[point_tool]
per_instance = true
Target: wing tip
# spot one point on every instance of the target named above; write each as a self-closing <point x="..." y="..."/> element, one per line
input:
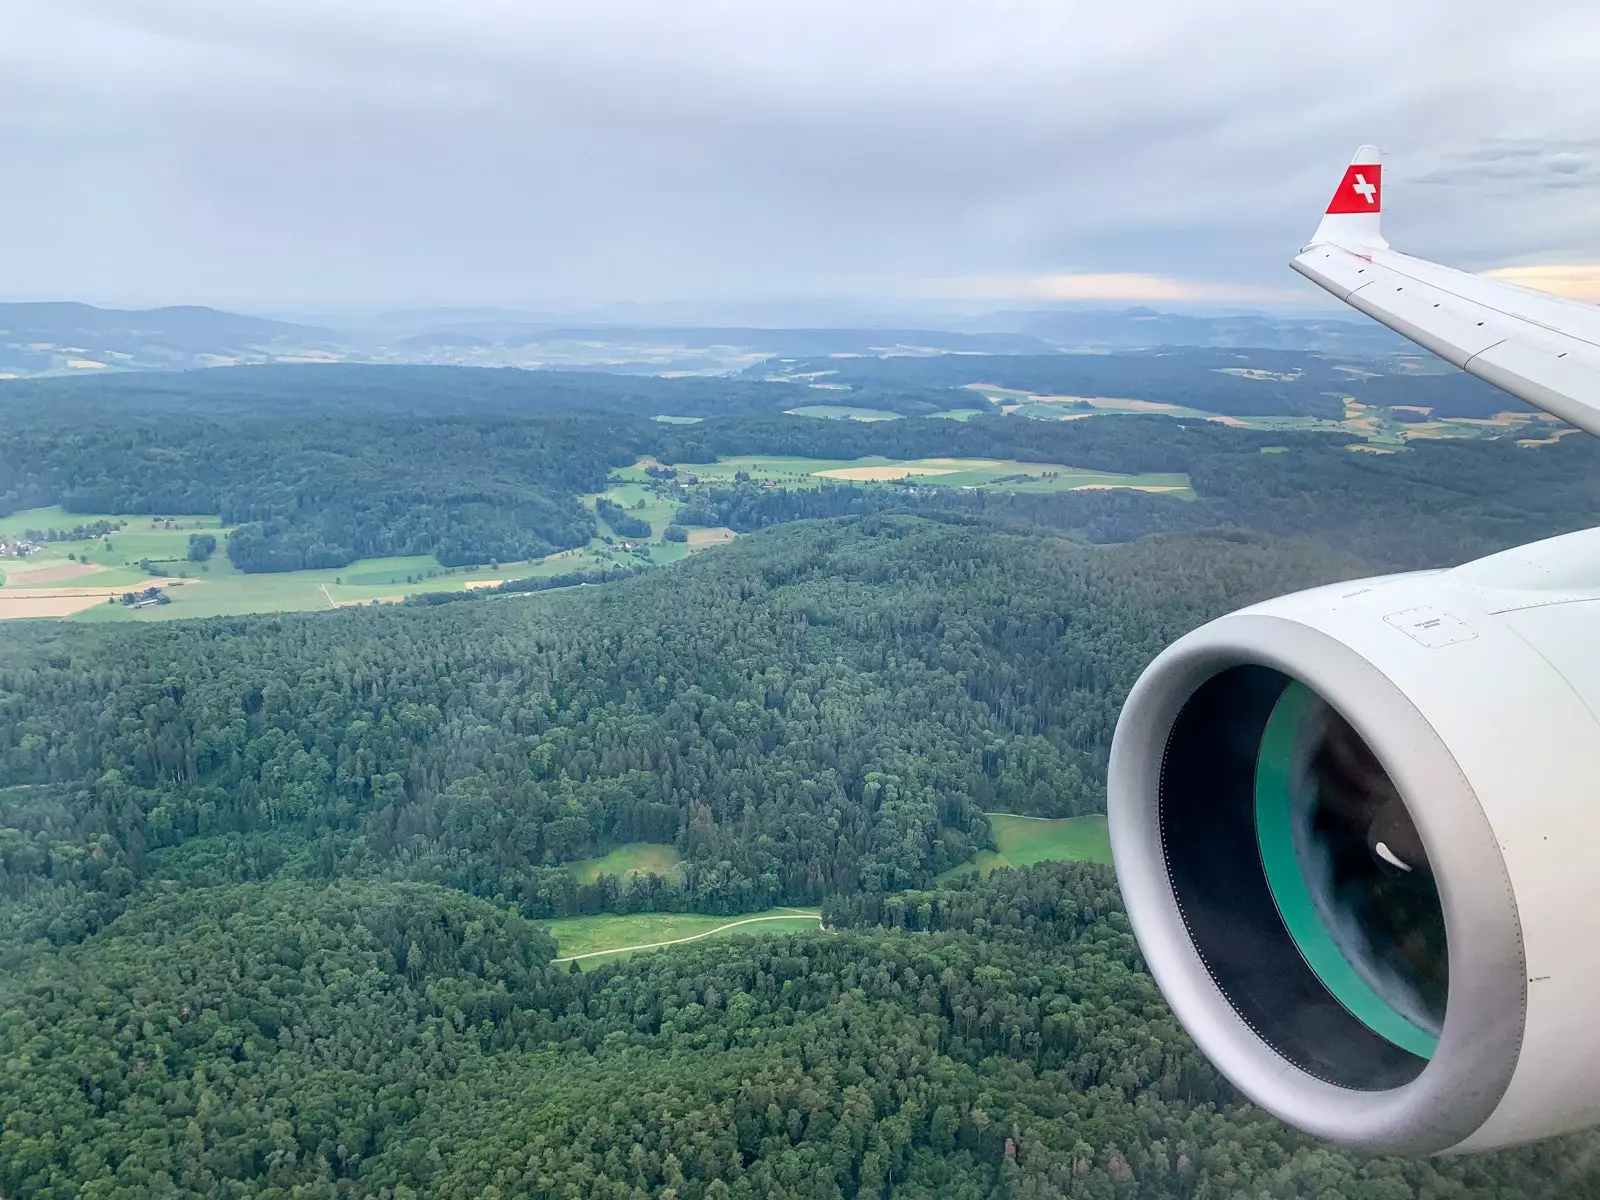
<point x="1353" y="217"/>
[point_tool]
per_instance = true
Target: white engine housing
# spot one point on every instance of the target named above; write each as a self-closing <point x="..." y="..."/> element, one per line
<point x="1477" y="690"/>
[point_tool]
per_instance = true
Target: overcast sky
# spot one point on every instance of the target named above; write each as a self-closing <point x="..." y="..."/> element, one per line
<point x="319" y="155"/>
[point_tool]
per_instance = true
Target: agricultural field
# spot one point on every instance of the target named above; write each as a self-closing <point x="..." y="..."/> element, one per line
<point x="843" y="412"/>
<point x="217" y="588"/>
<point x="634" y="858"/>
<point x="1383" y="428"/>
<point x="594" y="940"/>
<point x="1066" y="408"/>
<point x="989" y="473"/>
<point x="89" y="585"/>
<point x="1024" y="841"/>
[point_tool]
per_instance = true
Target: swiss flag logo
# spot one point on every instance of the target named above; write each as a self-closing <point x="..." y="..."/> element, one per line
<point x="1361" y="190"/>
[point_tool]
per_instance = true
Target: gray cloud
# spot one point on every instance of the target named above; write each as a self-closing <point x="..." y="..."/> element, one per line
<point x="278" y="154"/>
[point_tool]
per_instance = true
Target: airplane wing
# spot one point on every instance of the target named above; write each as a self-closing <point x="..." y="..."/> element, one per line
<point x="1541" y="348"/>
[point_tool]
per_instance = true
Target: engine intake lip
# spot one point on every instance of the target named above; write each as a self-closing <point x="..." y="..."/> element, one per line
<point x="1410" y="1108"/>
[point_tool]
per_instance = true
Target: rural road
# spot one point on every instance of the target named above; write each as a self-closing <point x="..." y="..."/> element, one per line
<point x="694" y="937"/>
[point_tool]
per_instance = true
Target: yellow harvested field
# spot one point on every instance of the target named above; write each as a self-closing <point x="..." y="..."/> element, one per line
<point x="21" y="606"/>
<point x="96" y="592"/>
<point x="1368" y="448"/>
<point x="1110" y="402"/>
<point x="17" y="604"/>
<point x="474" y="584"/>
<point x="972" y="464"/>
<point x="85" y="364"/>
<point x="1125" y="487"/>
<point x="711" y="537"/>
<point x="1554" y="436"/>
<point x="71" y="570"/>
<point x="884" y="474"/>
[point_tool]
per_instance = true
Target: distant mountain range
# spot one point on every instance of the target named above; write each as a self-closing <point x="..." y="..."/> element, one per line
<point x="68" y="338"/>
<point x="78" y="339"/>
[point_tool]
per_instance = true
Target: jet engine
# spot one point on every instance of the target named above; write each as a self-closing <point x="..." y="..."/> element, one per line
<point x="1357" y="831"/>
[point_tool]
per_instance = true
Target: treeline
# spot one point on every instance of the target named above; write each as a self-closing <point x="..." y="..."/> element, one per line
<point x="1238" y="383"/>
<point x="622" y="522"/>
<point x="322" y="494"/>
<point x="351" y="391"/>
<point x="1227" y="381"/>
<point x="538" y="583"/>
<point x="479" y="490"/>
<point x="828" y="707"/>
<point x="405" y="1041"/>
<point x="1437" y="504"/>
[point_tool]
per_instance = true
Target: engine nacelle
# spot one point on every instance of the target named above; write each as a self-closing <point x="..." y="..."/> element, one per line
<point x="1357" y="831"/>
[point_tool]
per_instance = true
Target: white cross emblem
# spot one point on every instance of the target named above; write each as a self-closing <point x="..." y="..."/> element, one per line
<point x="1366" y="190"/>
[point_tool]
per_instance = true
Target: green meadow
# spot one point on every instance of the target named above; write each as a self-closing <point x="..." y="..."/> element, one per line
<point x="598" y="939"/>
<point x="994" y="474"/>
<point x="217" y="588"/>
<point x="634" y="858"/>
<point x="1024" y="841"/>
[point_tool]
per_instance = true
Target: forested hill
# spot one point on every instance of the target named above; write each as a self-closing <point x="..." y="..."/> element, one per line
<point x="826" y="707"/>
<point x="401" y="1040"/>
<point x="324" y="493"/>
<point x="1230" y="382"/>
<point x="269" y="892"/>
<point x="304" y="391"/>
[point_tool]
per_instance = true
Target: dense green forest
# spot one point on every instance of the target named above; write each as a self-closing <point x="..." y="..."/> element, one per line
<point x="324" y="493"/>
<point x="1295" y="383"/>
<point x="403" y="1040"/>
<point x="826" y="708"/>
<point x="472" y="490"/>
<point x="1283" y="381"/>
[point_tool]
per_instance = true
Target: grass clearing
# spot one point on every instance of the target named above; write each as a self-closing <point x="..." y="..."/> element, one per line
<point x="1024" y="841"/>
<point x="634" y="858"/>
<point x="842" y="412"/>
<point x="598" y="939"/>
<point x="972" y="473"/>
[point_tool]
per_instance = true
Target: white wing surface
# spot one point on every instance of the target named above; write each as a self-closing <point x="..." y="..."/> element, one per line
<point x="1541" y="348"/>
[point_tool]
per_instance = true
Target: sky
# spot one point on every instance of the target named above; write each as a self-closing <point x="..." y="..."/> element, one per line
<point x="347" y="155"/>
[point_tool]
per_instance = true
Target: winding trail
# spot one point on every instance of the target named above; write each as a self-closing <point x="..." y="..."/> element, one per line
<point x="797" y="914"/>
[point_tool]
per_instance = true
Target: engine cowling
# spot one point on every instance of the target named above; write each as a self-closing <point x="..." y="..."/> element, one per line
<point x="1357" y="831"/>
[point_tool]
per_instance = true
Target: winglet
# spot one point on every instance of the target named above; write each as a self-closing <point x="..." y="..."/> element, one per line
<point x="1354" y="213"/>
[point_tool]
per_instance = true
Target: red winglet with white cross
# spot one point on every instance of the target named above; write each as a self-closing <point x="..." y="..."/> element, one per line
<point x="1360" y="191"/>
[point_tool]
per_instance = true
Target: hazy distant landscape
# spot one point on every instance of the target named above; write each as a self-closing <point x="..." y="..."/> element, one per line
<point x="75" y="339"/>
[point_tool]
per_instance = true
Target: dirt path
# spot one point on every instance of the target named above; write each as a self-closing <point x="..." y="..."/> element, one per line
<point x="694" y="937"/>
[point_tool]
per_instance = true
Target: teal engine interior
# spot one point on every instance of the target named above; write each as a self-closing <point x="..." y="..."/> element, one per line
<point x="1303" y="881"/>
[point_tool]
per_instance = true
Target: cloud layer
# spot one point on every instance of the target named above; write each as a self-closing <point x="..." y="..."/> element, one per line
<point x="298" y="153"/>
